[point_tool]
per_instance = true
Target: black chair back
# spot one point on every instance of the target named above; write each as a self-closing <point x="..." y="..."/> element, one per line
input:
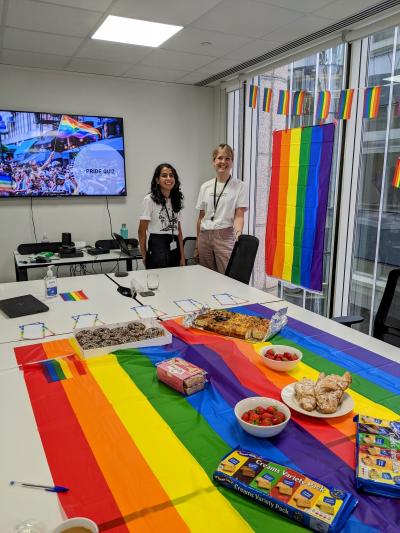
<point x="112" y="244"/>
<point x="38" y="247"/>
<point x="242" y="259"/>
<point x="387" y="319"/>
<point x="189" y="245"/>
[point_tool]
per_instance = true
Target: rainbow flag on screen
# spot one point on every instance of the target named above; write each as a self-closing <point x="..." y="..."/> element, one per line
<point x="253" y="93"/>
<point x="5" y="183"/>
<point x="345" y="103"/>
<point x="396" y="177"/>
<point x="323" y="105"/>
<point x="267" y="100"/>
<point x="69" y="127"/>
<point x="301" y="168"/>
<point x="74" y="296"/>
<point x="298" y="102"/>
<point x="372" y="97"/>
<point x="283" y="102"/>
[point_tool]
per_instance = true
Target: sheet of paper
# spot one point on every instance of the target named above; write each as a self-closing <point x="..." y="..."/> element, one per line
<point x="86" y="320"/>
<point x="188" y="306"/>
<point x="224" y="298"/>
<point x="33" y="331"/>
<point x="145" y="311"/>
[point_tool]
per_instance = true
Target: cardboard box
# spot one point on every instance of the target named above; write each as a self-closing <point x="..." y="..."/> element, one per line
<point x="181" y="375"/>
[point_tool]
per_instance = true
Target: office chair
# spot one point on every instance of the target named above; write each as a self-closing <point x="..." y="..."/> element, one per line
<point x="189" y="245"/>
<point x="242" y="259"/>
<point x="387" y="319"/>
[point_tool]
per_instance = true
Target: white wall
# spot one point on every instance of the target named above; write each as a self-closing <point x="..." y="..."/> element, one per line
<point x="163" y="122"/>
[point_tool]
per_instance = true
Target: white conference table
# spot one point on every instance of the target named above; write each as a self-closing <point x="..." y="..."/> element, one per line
<point x="21" y="453"/>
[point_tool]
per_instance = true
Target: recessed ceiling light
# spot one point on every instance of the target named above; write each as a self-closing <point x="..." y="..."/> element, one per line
<point x="132" y="31"/>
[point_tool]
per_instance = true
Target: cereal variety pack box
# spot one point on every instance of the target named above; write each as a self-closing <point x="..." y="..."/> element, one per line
<point x="378" y="456"/>
<point x="281" y="489"/>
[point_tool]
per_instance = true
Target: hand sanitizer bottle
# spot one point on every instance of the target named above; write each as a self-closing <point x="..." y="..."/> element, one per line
<point x="123" y="231"/>
<point x="50" y="283"/>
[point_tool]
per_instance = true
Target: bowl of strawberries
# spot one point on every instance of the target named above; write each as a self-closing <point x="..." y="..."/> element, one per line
<point x="261" y="416"/>
<point x="280" y="357"/>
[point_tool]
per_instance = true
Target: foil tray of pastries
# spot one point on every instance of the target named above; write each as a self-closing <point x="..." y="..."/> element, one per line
<point x="231" y="324"/>
<point x="100" y="340"/>
<point x="325" y="395"/>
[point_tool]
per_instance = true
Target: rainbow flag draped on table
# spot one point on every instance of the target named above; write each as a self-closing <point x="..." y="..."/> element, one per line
<point x="137" y="456"/>
<point x="294" y="240"/>
<point x="69" y="127"/>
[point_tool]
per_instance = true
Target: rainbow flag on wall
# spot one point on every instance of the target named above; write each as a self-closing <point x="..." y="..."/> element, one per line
<point x="267" y="100"/>
<point x="69" y="127"/>
<point x="283" y="102"/>
<point x="372" y="97"/>
<point x="298" y="102"/>
<point x="74" y="296"/>
<point x="294" y="240"/>
<point x="5" y="183"/>
<point x="138" y="457"/>
<point x="396" y="177"/>
<point x="253" y="93"/>
<point x="345" y="103"/>
<point x="323" y="105"/>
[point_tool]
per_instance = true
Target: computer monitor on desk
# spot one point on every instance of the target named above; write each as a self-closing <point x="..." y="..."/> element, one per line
<point x="123" y="246"/>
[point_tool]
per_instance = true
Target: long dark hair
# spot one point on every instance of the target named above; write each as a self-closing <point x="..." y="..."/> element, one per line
<point x="176" y="193"/>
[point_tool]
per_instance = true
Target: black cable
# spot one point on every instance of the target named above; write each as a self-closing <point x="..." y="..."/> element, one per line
<point x="33" y="220"/>
<point x="109" y="216"/>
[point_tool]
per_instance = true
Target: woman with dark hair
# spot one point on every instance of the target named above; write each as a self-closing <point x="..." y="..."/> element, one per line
<point x="161" y="220"/>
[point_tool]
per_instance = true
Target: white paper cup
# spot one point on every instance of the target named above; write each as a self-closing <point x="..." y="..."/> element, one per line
<point x="77" y="522"/>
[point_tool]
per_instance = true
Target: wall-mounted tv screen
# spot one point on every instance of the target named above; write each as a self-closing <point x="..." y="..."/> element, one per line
<point x="47" y="154"/>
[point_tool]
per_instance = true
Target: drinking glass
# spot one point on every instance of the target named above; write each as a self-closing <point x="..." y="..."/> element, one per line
<point x="152" y="281"/>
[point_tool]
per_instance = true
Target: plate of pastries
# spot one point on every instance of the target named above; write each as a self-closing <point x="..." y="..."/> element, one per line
<point x="324" y="398"/>
<point x="231" y="324"/>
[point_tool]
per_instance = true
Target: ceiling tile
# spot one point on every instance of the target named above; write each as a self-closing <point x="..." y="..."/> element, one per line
<point x="177" y="60"/>
<point x="246" y="18"/>
<point x="144" y="72"/>
<point x="307" y="6"/>
<point x="301" y="27"/>
<point x="93" y="5"/>
<point x="253" y="49"/>
<point x="190" y="39"/>
<point x="39" y="16"/>
<point x="193" y="77"/>
<point x="341" y="9"/>
<point x="92" y="66"/>
<point x="217" y="66"/>
<point x="95" y="49"/>
<point x="30" y="59"/>
<point x="40" y="42"/>
<point x="181" y="12"/>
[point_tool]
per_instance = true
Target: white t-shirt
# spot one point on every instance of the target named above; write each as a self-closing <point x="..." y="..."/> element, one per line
<point x="234" y="196"/>
<point x="162" y="219"/>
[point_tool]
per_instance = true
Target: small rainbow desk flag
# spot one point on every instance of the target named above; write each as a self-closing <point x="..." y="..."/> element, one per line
<point x="372" y="96"/>
<point x="253" y="92"/>
<point x="5" y="183"/>
<point x="69" y="127"/>
<point x="294" y="240"/>
<point x="396" y="177"/>
<point x="74" y="296"/>
<point x="345" y="103"/>
<point x="267" y="100"/>
<point x="283" y="102"/>
<point x="323" y="104"/>
<point x="298" y="102"/>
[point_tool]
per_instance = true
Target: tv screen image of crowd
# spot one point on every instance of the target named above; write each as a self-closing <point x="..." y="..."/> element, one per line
<point x="46" y="154"/>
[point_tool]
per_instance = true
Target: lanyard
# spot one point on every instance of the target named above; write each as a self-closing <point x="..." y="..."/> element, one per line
<point x="171" y="221"/>
<point x="216" y="200"/>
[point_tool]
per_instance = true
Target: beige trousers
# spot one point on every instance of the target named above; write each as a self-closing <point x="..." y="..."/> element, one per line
<point x="215" y="248"/>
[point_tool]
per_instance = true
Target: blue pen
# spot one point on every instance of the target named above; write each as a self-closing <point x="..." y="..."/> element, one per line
<point x="56" y="488"/>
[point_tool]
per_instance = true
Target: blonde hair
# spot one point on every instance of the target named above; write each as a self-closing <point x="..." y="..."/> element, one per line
<point x="222" y="147"/>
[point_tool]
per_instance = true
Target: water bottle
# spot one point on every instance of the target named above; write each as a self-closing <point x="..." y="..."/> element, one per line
<point x="123" y="231"/>
<point x="45" y="238"/>
<point x="50" y="283"/>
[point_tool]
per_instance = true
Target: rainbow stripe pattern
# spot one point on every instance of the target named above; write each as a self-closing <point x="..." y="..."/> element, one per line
<point x="345" y="103"/>
<point x="323" y="105"/>
<point x="139" y="457"/>
<point x="5" y="183"/>
<point x="74" y="296"/>
<point x="60" y="369"/>
<point x="69" y="127"/>
<point x="253" y="93"/>
<point x="372" y="97"/>
<point x="298" y="102"/>
<point x="267" y="100"/>
<point x="396" y="177"/>
<point x="283" y="102"/>
<point x="294" y="240"/>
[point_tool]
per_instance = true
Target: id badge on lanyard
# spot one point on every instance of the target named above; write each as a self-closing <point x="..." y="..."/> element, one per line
<point x="172" y="245"/>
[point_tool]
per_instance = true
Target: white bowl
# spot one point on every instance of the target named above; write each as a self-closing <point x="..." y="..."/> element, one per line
<point x="75" y="522"/>
<point x="281" y="366"/>
<point x="261" y="431"/>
